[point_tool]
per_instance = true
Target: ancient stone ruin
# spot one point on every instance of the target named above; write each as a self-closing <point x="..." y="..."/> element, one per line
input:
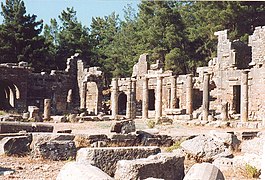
<point x="227" y="93"/>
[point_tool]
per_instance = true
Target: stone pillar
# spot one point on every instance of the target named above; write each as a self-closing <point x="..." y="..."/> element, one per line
<point x="173" y="92"/>
<point x="145" y="99"/>
<point x="158" y="101"/>
<point x="129" y="100"/>
<point x="224" y="111"/>
<point x="244" y="96"/>
<point x="133" y="99"/>
<point x="83" y="96"/>
<point x="263" y="163"/>
<point x="189" y="93"/>
<point x="205" y="99"/>
<point x="114" y="98"/>
<point x="47" y="109"/>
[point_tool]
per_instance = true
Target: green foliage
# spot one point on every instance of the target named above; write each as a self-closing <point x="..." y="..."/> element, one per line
<point x="180" y="34"/>
<point x="176" y="145"/>
<point x="20" y="38"/>
<point x="252" y="172"/>
<point x="2" y="113"/>
<point x="151" y="123"/>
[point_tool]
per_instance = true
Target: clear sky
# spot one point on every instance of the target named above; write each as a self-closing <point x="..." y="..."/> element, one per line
<point x="86" y="9"/>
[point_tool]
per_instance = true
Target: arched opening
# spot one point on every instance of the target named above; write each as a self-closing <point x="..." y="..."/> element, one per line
<point x="122" y="102"/>
<point x="9" y="93"/>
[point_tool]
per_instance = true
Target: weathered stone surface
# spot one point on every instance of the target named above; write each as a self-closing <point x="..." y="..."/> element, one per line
<point x="107" y="158"/>
<point x="223" y="164"/>
<point x="124" y="126"/>
<point x="59" y="118"/>
<point x="253" y="146"/>
<point x="83" y="140"/>
<point x="81" y="171"/>
<point x="228" y="139"/>
<point x="18" y="145"/>
<point x="205" y="148"/>
<point x="123" y="140"/>
<point x="204" y="171"/>
<point x="28" y="127"/>
<point x="34" y="113"/>
<point x="56" y="150"/>
<point x="250" y="159"/>
<point x="154" y="139"/>
<point x="165" y="166"/>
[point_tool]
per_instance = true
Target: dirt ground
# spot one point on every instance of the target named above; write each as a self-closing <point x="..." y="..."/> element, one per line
<point x="28" y="168"/>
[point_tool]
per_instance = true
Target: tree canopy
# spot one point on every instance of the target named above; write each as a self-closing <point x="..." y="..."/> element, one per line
<point x="180" y="34"/>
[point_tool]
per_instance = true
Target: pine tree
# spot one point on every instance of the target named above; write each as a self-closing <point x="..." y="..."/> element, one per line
<point x="20" y="38"/>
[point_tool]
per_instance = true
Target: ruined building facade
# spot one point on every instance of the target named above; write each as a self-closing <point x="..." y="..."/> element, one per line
<point x="76" y="87"/>
<point x="232" y="82"/>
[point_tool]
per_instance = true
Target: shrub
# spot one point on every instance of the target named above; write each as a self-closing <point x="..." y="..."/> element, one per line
<point x="151" y="123"/>
<point x="176" y="145"/>
<point x="252" y="172"/>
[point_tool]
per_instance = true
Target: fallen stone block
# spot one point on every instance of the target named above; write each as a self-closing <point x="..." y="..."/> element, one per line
<point x="163" y="165"/>
<point x="123" y="140"/>
<point x="58" y="119"/>
<point x="253" y="146"/>
<point x="253" y="160"/>
<point x="204" y="171"/>
<point x="151" y="139"/>
<point x="223" y="164"/>
<point x="106" y="158"/>
<point x="84" y="140"/>
<point x="16" y="145"/>
<point x="13" y="127"/>
<point x="82" y="171"/>
<point x="124" y="126"/>
<point x="55" y="150"/>
<point x="228" y="139"/>
<point x="205" y="148"/>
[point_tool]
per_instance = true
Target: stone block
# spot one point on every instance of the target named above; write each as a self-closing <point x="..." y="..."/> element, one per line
<point x="253" y="146"/>
<point x="205" y="148"/>
<point x="8" y="127"/>
<point x="204" y="171"/>
<point x="84" y="140"/>
<point x="164" y="165"/>
<point x="55" y="150"/>
<point x="81" y="171"/>
<point x="58" y="119"/>
<point x="124" y="126"/>
<point x="224" y="164"/>
<point x="106" y="158"/>
<point x="16" y="145"/>
<point x="123" y="140"/>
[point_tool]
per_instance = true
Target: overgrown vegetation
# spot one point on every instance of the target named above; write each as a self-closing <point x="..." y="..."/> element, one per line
<point x="2" y="112"/>
<point x="180" y="34"/>
<point x="176" y="145"/>
<point x="151" y="123"/>
<point x="251" y="171"/>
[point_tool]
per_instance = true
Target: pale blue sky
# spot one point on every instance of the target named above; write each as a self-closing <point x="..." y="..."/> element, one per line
<point x="86" y="9"/>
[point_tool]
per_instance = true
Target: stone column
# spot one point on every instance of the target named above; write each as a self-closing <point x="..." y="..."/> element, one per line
<point x="205" y="99"/>
<point x="224" y="111"/>
<point x="189" y="94"/>
<point x="83" y="96"/>
<point x="129" y="100"/>
<point x="158" y="101"/>
<point x="133" y="99"/>
<point x="173" y="92"/>
<point x="263" y="163"/>
<point x="47" y="109"/>
<point x="114" y="98"/>
<point x="145" y="99"/>
<point x="244" y="96"/>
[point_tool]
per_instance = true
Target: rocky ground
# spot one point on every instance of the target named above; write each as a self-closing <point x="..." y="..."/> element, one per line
<point x="28" y="168"/>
